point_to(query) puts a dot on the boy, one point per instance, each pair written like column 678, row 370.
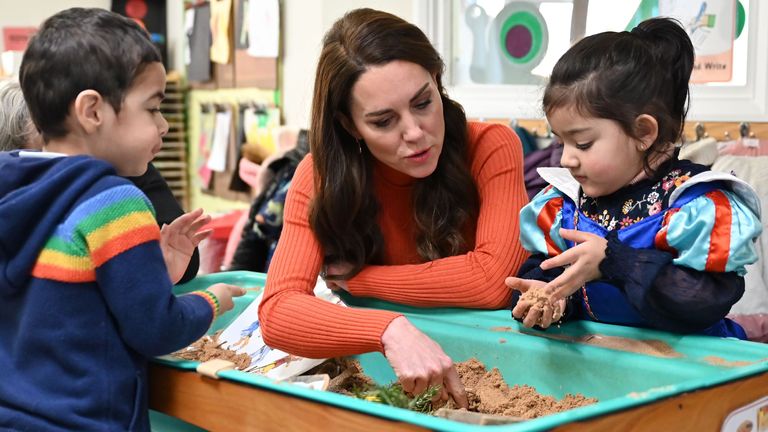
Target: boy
column 85, row 296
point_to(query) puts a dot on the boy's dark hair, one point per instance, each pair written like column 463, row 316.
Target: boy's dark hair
column 80, row 49
column 619, row 76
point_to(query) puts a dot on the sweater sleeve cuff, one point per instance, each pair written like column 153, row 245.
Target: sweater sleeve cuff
column 627, row 266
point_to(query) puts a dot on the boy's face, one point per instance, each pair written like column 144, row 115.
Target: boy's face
column 131, row 138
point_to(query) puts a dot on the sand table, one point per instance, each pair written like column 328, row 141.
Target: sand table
column 209, row 347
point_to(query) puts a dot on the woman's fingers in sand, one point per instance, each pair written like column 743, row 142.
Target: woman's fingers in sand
column 419, row 362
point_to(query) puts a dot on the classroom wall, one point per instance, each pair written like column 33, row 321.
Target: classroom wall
column 38, row 10
column 34, row 12
column 304, row 25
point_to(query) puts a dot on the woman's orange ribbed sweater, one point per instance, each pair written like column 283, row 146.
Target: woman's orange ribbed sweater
column 294, row 321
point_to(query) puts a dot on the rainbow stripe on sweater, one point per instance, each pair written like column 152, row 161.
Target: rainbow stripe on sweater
column 97, row 230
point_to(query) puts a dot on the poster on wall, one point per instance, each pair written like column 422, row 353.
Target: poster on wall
column 151, row 15
column 711, row 25
column 17, row 38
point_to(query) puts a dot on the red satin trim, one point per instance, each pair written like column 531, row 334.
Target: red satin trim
column 720, row 237
column 546, row 219
column 660, row 241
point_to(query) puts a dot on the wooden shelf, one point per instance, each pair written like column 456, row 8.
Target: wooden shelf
column 172, row 159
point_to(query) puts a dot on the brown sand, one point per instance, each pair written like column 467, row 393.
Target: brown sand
column 539, row 300
column 651, row 347
column 489, row 394
column 209, row 347
column 719, row 361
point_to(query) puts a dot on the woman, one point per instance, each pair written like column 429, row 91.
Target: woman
column 400, row 199
column 16, row 128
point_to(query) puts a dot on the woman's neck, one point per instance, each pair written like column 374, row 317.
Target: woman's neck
column 391, row 175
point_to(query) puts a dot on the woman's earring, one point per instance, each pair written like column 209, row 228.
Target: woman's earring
column 359, row 145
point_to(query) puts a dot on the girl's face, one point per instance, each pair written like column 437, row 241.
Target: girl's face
column 396, row 109
column 601, row 157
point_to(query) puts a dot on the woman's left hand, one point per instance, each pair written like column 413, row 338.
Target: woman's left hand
column 179, row 240
column 582, row 263
column 336, row 270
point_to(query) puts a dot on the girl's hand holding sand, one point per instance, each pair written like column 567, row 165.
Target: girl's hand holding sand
column 534, row 306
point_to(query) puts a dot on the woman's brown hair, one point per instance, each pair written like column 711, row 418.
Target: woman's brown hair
column 344, row 212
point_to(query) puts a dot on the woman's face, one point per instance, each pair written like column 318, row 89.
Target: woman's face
column 396, row 109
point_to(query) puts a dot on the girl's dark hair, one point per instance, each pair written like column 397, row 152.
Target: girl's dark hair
column 344, row 211
column 619, row 76
column 80, row 49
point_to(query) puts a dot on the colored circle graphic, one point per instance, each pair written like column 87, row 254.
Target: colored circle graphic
column 521, row 37
column 136, row 9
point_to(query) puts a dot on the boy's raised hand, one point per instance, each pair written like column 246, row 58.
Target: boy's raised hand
column 224, row 293
column 582, row 263
column 179, row 240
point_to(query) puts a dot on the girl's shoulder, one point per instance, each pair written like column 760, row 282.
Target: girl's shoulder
column 733, row 186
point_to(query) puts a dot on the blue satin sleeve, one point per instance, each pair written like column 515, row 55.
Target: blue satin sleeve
column 540, row 222
column 715, row 232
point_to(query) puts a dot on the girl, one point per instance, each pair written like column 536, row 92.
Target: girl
column 626, row 233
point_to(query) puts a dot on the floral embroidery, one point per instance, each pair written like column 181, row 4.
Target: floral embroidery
column 680, row 180
column 627, row 206
column 634, row 203
column 654, row 208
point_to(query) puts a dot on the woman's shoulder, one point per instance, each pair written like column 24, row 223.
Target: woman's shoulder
column 303, row 177
column 478, row 130
column 490, row 138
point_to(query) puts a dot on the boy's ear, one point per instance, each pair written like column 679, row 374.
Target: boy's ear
column 647, row 130
column 349, row 125
column 88, row 110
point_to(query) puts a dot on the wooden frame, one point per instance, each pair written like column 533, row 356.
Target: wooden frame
column 225, row 405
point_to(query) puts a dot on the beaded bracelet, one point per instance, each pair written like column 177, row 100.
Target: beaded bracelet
column 216, row 305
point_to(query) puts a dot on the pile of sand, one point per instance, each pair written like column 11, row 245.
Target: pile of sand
column 489, row 394
column 209, row 347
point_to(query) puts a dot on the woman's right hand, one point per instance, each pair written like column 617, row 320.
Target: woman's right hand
column 224, row 293
column 419, row 362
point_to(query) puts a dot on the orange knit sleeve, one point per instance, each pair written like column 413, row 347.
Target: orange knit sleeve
column 292, row 318
column 475, row 279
